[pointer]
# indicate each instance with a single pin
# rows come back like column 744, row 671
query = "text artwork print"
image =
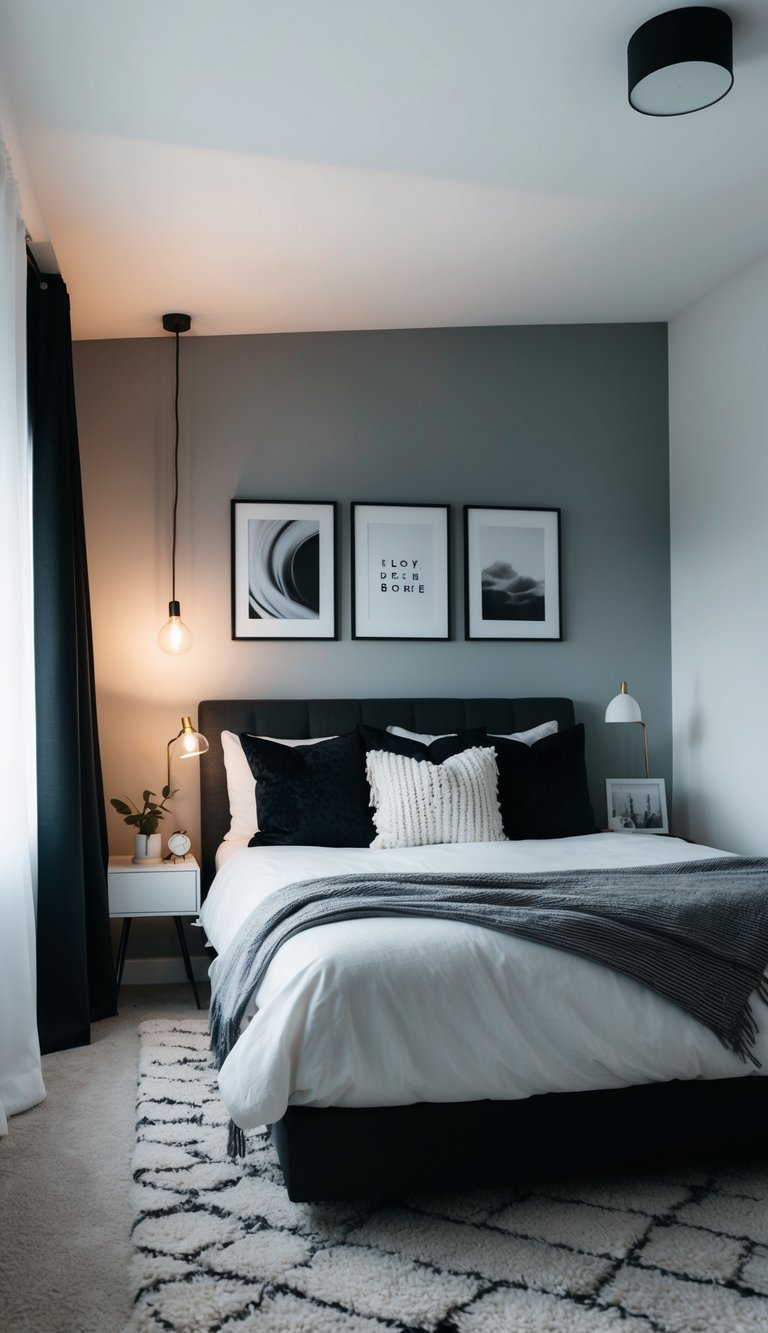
column 400, row 573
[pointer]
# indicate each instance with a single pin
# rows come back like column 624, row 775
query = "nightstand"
column 160, row 888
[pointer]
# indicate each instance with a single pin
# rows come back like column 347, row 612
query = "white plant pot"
column 147, row 846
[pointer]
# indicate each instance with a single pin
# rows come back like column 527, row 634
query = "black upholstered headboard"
column 294, row 718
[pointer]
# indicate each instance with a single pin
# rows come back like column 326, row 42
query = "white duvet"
column 385, row 1012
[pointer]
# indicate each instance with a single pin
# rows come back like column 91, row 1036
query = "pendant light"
column 175, row 638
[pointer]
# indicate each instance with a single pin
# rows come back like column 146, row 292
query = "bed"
column 428, row 1119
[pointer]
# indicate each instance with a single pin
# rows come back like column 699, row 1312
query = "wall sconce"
column 623, row 708
column 680, row 61
column 175, row 637
column 193, row 743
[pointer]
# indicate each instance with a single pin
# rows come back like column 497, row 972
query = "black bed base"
column 334, row 1153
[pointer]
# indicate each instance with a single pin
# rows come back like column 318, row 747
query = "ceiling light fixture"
column 175, row 638
column 680, row 61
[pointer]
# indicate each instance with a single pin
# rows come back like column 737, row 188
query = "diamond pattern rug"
column 219, row 1248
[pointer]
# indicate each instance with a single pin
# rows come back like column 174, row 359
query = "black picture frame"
column 284, row 569
column 401, row 571
column 512, row 573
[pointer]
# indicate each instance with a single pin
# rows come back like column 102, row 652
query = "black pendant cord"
column 175, row 324
column 175, row 473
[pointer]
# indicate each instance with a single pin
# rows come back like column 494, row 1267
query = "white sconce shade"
column 623, row 708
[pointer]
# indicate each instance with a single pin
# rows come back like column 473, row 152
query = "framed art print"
column 283, row 570
column 511, row 573
column 400, row 571
column 636, row 805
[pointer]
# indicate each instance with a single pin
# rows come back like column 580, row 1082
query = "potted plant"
column 147, row 843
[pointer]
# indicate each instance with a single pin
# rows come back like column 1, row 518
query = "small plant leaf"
column 147, row 818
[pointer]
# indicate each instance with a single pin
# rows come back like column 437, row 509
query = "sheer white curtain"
column 21, row 1083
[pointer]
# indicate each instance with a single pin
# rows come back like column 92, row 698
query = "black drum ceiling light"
column 175, row 638
column 680, row 61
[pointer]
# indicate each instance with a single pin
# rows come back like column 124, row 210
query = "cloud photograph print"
column 512, row 573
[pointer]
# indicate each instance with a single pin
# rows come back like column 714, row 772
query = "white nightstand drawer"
column 169, row 889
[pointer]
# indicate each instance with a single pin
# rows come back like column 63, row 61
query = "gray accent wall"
column 566, row 416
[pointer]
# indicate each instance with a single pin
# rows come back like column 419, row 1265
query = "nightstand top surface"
column 125, row 863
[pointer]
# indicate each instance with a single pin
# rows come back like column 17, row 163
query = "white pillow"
column 525, row 737
column 418, row 803
column 530, row 736
column 419, row 735
column 241, row 785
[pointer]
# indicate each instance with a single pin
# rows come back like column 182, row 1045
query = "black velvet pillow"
column 310, row 795
column 543, row 789
column 373, row 738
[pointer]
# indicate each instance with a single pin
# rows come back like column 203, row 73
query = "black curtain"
column 75, row 976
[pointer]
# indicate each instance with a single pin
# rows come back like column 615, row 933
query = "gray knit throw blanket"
column 696, row 932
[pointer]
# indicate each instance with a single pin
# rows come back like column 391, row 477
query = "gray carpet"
column 65, row 1180
column 221, row 1249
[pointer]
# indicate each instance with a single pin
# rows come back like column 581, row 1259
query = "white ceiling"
column 278, row 165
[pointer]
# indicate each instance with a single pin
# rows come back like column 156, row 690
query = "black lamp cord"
column 175, row 473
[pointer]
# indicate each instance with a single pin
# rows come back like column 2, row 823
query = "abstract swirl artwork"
column 283, row 570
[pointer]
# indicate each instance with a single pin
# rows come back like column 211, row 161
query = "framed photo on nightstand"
column 636, row 805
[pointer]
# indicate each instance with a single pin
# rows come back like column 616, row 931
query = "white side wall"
column 718, row 383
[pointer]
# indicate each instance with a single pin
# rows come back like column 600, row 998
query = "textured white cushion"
column 241, row 785
column 528, row 737
column 417, row 803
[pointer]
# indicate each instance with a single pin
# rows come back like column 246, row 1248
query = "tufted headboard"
column 295, row 718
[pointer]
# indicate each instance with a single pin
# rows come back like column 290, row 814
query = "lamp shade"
column 192, row 742
column 623, row 708
column 680, row 61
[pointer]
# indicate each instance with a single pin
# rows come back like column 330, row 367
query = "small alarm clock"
column 179, row 844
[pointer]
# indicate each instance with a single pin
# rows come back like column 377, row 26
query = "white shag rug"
column 219, row 1248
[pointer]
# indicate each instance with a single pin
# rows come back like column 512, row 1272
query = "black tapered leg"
column 121, row 948
column 187, row 959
